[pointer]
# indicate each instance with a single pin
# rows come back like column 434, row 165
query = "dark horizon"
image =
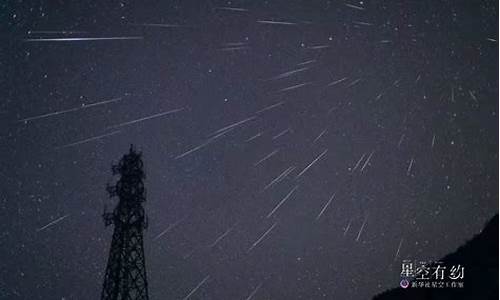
column 479, row 255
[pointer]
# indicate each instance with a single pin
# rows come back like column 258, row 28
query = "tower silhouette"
column 125, row 277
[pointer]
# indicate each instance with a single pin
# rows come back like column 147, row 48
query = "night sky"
column 293, row 149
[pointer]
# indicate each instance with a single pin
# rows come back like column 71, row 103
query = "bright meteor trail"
column 82, row 39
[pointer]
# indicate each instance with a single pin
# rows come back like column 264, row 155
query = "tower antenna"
column 125, row 277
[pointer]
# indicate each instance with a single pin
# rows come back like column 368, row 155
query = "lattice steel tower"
column 125, row 277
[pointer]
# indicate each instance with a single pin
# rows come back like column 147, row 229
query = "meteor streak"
column 83, row 106
column 147, row 118
column 262, row 237
column 196, row 287
column 282, row 201
column 325, row 207
column 84, row 39
column 52, row 223
column 89, row 139
column 312, row 163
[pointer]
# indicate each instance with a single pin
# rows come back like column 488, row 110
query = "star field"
column 292, row 149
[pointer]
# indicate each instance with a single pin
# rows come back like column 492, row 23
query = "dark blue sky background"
column 402, row 96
